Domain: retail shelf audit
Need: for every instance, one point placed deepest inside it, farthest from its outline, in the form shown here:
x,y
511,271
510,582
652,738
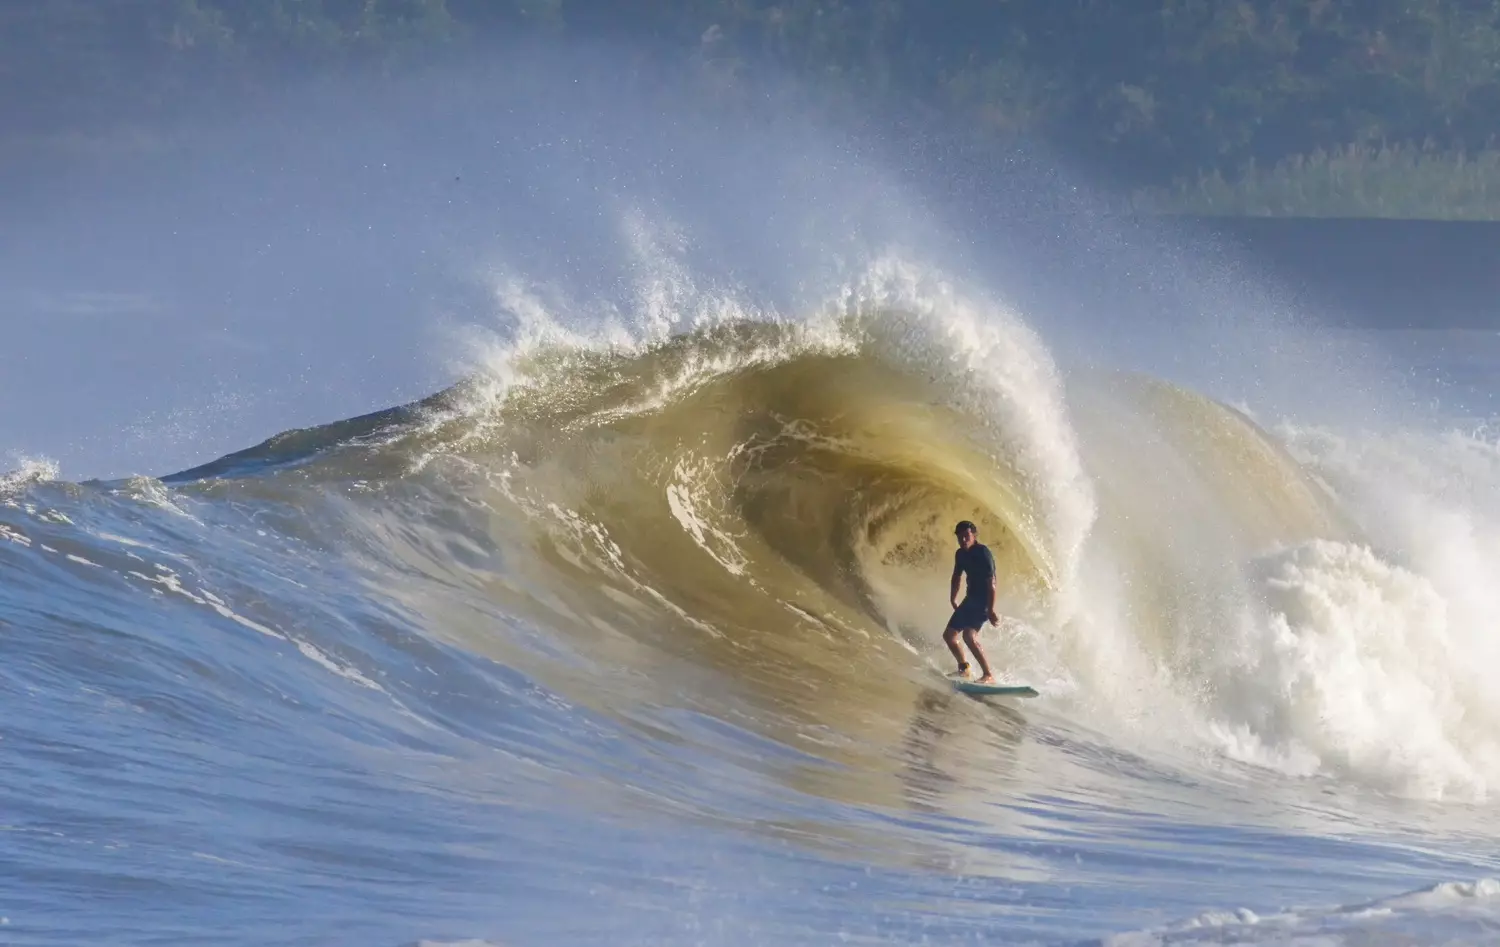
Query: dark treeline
x,y
1156,90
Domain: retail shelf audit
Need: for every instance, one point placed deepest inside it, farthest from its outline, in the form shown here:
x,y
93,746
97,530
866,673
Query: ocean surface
x,y
629,634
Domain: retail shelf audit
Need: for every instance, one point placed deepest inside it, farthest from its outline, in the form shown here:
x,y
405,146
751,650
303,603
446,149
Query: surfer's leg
x,y
971,638
950,638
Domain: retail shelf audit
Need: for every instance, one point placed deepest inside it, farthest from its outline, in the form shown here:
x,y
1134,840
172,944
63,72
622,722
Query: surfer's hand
x,y
953,604
994,619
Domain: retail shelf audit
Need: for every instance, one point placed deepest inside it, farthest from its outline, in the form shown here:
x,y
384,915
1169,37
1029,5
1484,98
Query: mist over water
x,y
628,591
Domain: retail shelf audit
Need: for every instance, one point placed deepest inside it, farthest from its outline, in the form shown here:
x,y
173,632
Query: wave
x,y
772,499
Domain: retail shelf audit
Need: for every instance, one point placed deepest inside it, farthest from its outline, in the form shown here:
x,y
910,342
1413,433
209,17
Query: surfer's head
x,y
967,533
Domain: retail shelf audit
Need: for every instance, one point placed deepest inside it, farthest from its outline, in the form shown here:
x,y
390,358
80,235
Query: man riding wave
x,y
976,564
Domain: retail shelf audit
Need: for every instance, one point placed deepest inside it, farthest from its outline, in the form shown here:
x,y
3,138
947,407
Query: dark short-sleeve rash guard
x,y
978,566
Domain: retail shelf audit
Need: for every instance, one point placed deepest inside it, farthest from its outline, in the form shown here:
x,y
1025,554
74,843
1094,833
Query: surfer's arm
x,y
994,590
953,584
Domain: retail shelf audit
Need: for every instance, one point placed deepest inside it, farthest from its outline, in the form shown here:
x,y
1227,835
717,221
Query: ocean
x,y
630,635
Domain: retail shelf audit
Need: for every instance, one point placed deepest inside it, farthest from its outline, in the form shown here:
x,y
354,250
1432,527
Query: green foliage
x,y
303,33
1355,181
1154,92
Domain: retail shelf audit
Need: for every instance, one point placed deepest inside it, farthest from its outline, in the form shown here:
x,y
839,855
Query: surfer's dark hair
x,y
965,525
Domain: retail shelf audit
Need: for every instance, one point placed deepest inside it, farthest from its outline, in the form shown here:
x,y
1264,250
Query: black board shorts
x,y
971,613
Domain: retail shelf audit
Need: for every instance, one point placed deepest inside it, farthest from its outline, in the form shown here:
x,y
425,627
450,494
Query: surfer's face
x,y
965,538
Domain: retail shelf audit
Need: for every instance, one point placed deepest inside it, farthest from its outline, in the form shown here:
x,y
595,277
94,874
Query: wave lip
x,y
27,472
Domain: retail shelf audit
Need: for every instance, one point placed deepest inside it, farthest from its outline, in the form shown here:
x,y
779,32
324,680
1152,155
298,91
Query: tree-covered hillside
x,y
1269,101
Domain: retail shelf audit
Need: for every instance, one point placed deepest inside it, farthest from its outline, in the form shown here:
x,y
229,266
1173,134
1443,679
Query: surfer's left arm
x,y
994,585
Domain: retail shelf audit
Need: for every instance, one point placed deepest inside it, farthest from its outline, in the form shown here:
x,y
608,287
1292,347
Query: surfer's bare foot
x,y
987,679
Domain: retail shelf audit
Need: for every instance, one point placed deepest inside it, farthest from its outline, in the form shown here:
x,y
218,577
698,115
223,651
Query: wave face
x,y
776,499
633,637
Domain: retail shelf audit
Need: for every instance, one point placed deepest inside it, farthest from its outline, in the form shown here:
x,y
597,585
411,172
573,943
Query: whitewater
x,y
631,633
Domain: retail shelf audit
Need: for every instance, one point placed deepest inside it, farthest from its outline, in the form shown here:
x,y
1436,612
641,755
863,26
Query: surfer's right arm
x,y
953,587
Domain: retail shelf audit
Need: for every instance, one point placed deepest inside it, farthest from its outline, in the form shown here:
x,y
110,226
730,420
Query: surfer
x,y
974,561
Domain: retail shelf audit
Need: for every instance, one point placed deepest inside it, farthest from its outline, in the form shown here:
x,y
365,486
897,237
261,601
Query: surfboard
x,y
995,690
